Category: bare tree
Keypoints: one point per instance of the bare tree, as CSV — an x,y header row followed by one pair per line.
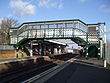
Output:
x,y
6,24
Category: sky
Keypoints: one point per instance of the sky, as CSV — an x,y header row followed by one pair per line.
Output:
x,y
89,11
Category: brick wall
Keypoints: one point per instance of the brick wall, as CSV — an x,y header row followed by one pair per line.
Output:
x,y
10,53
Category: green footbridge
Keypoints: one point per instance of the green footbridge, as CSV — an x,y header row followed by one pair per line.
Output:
x,y
87,35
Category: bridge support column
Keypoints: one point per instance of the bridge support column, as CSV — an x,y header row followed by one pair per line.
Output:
x,y
42,49
49,50
38,49
55,51
101,49
22,54
52,49
17,52
59,51
31,50
98,53
86,52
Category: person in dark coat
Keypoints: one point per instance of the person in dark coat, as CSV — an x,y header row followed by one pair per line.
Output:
x,y
81,52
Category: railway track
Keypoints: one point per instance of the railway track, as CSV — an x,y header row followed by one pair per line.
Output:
x,y
23,74
47,72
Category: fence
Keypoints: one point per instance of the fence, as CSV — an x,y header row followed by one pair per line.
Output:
x,y
6,47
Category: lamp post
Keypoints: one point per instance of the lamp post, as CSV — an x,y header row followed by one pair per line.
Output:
x,y
105,43
105,46
17,52
22,52
31,50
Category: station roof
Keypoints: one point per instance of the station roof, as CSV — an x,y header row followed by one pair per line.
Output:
x,y
56,42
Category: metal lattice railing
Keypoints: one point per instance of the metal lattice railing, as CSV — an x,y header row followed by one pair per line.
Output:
x,y
57,33
53,33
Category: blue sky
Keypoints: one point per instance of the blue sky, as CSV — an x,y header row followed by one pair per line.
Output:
x,y
89,11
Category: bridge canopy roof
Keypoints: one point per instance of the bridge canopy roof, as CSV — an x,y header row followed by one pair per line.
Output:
x,y
52,22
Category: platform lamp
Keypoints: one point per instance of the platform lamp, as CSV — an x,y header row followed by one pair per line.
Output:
x,y
22,55
16,52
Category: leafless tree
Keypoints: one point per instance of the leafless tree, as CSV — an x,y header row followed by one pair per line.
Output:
x,y
6,24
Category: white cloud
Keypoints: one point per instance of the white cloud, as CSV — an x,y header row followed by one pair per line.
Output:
x,y
22,8
51,4
105,8
82,1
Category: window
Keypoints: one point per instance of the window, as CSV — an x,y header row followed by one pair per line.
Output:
x,y
61,25
42,26
51,26
36,26
46,26
82,27
91,29
69,25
